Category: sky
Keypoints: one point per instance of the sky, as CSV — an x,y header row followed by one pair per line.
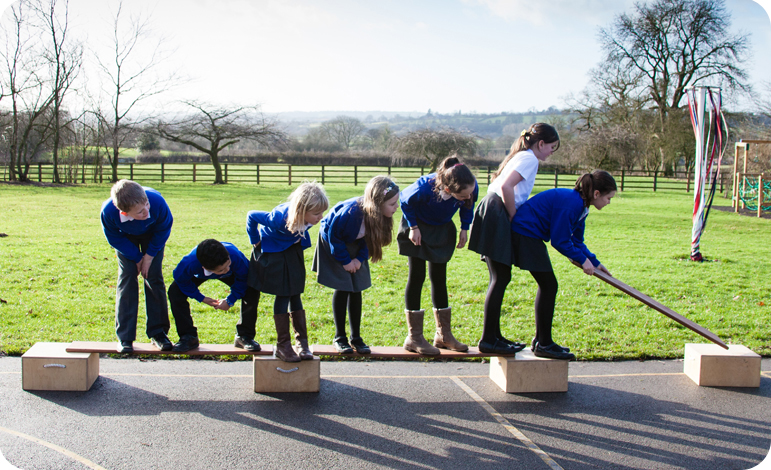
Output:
x,y
484,56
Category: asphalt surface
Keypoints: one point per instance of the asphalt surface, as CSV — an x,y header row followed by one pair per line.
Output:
x,y
203,414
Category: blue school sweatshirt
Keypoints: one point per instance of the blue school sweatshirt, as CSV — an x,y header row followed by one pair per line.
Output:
x,y
159,224
420,202
558,215
269,228
189,267
340,226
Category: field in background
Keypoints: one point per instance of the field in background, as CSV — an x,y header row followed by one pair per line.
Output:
x,y
59,273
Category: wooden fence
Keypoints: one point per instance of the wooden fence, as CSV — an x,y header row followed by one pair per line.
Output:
x,y
250,173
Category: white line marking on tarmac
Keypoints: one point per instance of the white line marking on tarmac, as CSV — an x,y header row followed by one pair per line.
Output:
x,y
506,424
62,450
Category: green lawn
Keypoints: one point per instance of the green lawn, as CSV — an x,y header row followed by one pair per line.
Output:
x,y
59,273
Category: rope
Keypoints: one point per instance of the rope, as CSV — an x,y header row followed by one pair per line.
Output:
x,y
748,193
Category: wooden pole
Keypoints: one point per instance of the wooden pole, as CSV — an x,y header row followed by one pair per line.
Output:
x,y
744,172
194,169
760,194
622,180
695,327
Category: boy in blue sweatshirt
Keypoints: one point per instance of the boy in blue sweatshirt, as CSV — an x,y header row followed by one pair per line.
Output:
x,y
213,260
137,222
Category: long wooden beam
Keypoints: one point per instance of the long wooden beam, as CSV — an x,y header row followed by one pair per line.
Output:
x,y
631,291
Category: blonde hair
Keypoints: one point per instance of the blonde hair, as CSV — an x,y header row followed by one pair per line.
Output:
x,y
378,229
126,194
308,197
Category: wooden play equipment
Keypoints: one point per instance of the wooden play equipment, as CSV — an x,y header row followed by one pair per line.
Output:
x,y
750,190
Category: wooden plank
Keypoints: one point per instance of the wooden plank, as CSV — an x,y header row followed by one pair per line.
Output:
x,y
693,326
147,348
397,352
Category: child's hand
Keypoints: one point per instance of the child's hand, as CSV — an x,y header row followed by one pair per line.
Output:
x,y
415,236
351,267
604,269
356,264
462,239
144,265
222,305
588,267
211,302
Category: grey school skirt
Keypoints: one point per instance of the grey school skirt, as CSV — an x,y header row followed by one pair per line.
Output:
x,y
280,273
331,273
437,242
530,254
491,230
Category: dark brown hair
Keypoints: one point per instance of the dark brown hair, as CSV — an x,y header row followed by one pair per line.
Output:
x,y
598,180
528,139
378,229
454,175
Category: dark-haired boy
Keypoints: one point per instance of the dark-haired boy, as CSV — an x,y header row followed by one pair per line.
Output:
x,y
213,260
137,222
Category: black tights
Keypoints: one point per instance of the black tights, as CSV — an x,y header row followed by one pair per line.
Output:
x,y
437,274
283,303
544,305
350,301
500,276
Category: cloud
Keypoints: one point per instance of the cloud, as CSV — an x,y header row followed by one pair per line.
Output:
x,y
539,13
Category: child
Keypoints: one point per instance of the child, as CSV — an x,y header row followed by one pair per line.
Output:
x,y
427,233
278,267
213,260
137,222
490,234
351,232
560,215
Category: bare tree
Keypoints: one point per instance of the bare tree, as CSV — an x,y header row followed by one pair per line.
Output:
x,y
132,76
64,58
211,129
434,144
23,83
343,130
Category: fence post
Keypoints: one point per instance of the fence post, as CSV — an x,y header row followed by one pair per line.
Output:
x,y
322,174
556,179
760,194
655,178
258,173
195,165
101,173
290,175
163,172
131,171
40,172
623,173
355,175
488,175
226,173
389,170
421,171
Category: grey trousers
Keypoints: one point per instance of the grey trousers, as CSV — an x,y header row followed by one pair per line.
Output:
x,y
127,298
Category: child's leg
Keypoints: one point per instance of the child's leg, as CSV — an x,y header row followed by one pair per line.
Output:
x,y
437,274
126,299
281,305
354,314
544,305
245,326
339,307
155,298
415,279
500,276
295,303
300,326
180,310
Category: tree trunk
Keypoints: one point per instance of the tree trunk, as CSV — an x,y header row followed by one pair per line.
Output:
x,y
215,161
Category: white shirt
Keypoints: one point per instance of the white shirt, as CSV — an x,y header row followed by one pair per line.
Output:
x,y
526,164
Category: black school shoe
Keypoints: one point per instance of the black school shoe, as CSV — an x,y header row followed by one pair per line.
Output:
x,y
162,342
126,347
360,346
499,347
342,345
514,344
247,344
186,343
552,351
535,341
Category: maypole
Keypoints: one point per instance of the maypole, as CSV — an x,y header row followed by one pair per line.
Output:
x,y
711,131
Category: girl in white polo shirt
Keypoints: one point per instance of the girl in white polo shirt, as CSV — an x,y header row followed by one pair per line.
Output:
x,y
490,232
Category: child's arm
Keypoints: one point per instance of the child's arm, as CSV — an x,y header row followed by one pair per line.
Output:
x,y
183,276
240,268
562,238
161,231
466,217
119,241
591,260
507,192
253,221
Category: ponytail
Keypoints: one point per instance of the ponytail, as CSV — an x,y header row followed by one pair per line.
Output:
x,y
454,175
598,180
527,139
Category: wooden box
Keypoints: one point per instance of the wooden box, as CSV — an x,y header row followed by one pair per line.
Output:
x,y
272,375
709,365
48,366
526,373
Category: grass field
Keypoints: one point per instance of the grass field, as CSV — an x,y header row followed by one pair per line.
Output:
x,y
58,274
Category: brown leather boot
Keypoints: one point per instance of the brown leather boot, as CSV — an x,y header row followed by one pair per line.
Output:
x,y
415,341
443,337
284,349
301,334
